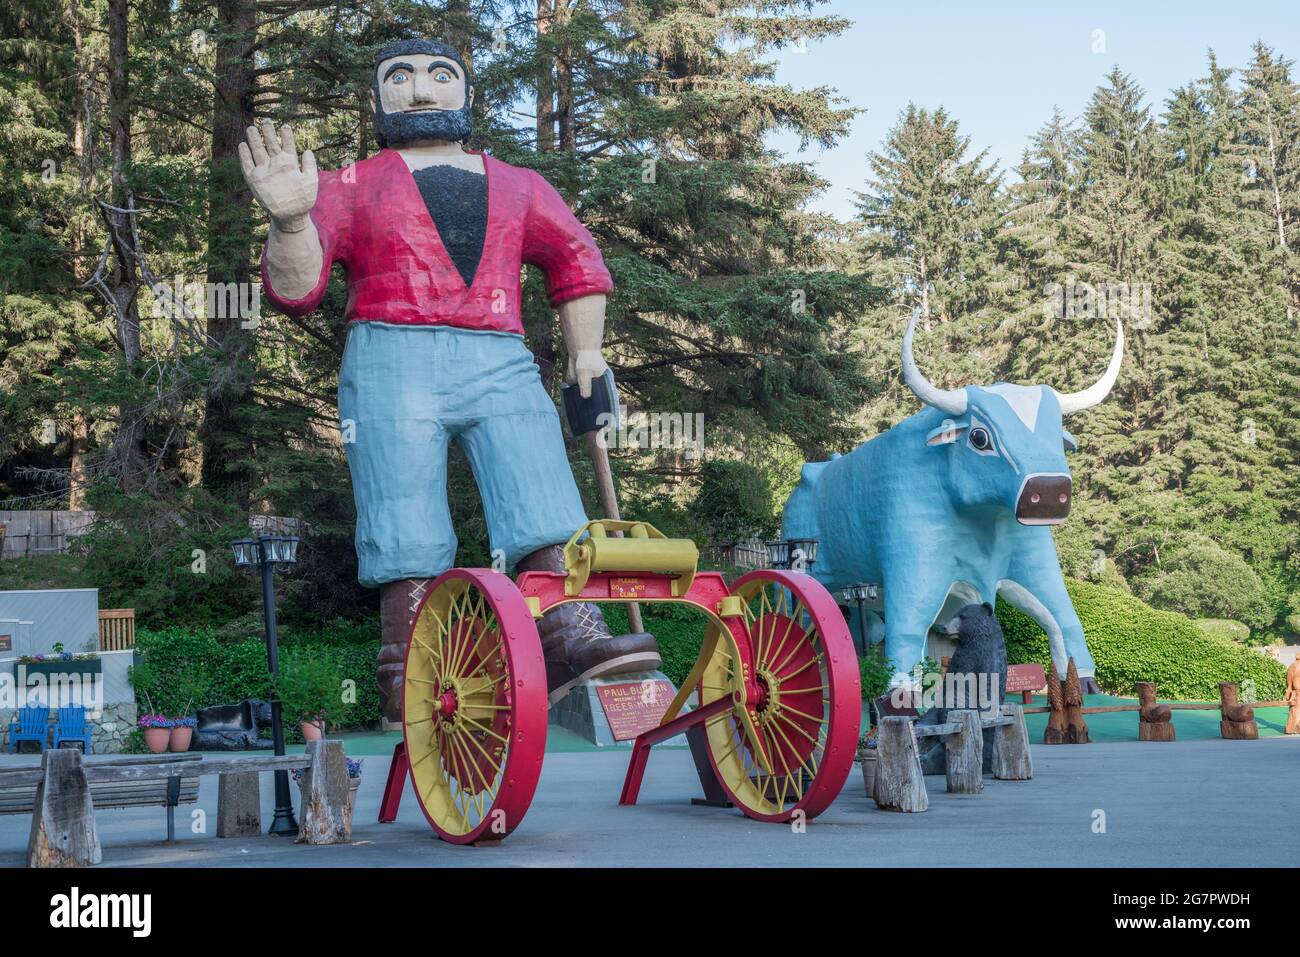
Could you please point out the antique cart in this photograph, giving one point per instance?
(775, 688)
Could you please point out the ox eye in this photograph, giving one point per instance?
(980, 440)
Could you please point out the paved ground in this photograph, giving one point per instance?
(1193, 803)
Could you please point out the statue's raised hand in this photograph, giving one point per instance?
(270, 165)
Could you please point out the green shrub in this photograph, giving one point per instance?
(180, 670)
(1131, 642)
(1237, 631)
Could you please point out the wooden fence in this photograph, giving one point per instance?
(116, 629)
(30, 533)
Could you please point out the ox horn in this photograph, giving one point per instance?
(952, 401)
(1078, 401)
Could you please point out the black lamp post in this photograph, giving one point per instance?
(861, 593)
(265, 552)
(778, 553)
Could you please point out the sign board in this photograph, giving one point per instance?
(6, 642)
(1021, 678)
(633, 707)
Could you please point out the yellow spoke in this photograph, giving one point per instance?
(784, 678)
(781, 717)
(802, 714)
(789, 744)
(496, 765)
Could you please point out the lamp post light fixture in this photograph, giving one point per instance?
(861, 593)
(265, 552)
(802, 547)
(778, 553)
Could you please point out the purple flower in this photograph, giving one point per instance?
(155, 721)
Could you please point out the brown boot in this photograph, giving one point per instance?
(397, 604)
(576, 642)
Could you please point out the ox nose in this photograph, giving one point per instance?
(1044, 500)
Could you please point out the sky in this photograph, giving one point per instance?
(1000, 66)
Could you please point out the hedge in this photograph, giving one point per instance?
(1224, 628)
(1131, 641)
(191, 669)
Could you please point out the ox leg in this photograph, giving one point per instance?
(1040, 593)
(910, 606)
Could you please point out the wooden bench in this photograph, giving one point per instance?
(900, 785)
(63, 794)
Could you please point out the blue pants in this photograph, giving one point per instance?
(405, 392)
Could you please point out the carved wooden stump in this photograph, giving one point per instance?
(1011, 758)
(964, 752)
(900, 786)
(324, 818)
(1056, 720)
(1076, 731)
(239, 804)
(1237, 719)
(1155, 721)
(63, 818)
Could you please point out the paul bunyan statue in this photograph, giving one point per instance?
(432, 237)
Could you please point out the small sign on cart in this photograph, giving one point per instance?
(626, 588)
(6, 642)
(634, 707)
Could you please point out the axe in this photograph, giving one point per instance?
(584, 418)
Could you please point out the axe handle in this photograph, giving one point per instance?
(609, 505)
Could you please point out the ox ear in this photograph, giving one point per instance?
(949, 432)
(1071, 443)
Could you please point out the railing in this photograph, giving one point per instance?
(116, 629)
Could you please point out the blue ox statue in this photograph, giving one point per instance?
(952, 506)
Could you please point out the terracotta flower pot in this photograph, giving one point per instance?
(353, 784)
(180, 738)
(870, 761)
(311, 731)
(157, 739)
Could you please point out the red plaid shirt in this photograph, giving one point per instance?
(371, 218)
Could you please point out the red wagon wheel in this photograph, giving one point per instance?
(808, 713)
(474, 705)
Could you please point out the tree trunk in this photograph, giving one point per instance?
(545, 85)
(964, 752)
(900, 786)
(230, 240)
(564, 105)
(129, 453)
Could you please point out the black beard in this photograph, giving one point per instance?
(399, 129)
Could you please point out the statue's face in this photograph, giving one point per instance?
(421, 98)
(418, 82)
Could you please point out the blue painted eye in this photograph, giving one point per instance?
(399, 77)
(442, 76)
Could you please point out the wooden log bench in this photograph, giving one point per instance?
(900, 785)
(63, 794)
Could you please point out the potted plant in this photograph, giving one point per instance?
(181, 733)
(157, 731)
(354, 782)
(309, 691)
(869, 757)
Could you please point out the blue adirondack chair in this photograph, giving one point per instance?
(32, 724)
(72, 726)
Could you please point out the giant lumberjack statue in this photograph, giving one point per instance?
(432, 238)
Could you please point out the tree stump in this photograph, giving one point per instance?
(1011, 758)
(1056, 720)
(324, 818)
(239, 804)
(900, 786)
(1155, 721)
(965, 753)
(1237, 719)
(1076, 731)
(63, 817)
